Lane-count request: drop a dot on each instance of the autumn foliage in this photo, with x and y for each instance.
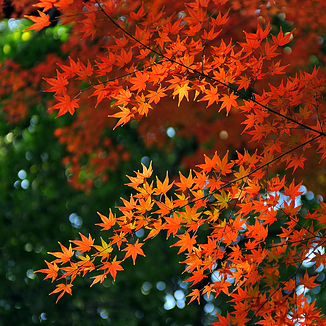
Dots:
(226, 74)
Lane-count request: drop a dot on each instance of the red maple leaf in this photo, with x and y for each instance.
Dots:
(293, 191)
(282, 39)
(295, 162)
(308, 281)
(58, 84)
(65, 105)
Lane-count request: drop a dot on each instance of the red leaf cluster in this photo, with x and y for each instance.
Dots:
(207, 68)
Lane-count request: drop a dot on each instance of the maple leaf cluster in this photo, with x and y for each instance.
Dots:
(237, 256)
(152, 60)
(140, 66)
(92, 34)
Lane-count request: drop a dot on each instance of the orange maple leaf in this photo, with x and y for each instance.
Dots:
(71, 271)
(113, 267)
(123, 98)
(70, 71)
(295, 162)
(107, 222)
(139, 82)
(211, 96)
(195, 294)
(133, 250)
(64, 256)
(89, 25)
(99, 278)
(209, 163)
(219, 20)
(163, 187)
(45, 4)
(182, 91)
(65, 288)
(185, 183)
(223, 321)
(85, 264)
(186, 242)
(244, 83)
(137, 15)
(228, 102)
(63, 4)
(196, 277)
(143, 105)
(190, 214)
(223, 166)
(125, 115)
(40, 22)
(83, 245)
(52, 271)
(108, 90)
(155, 227)
(155, 96)
(84, 71)
(172, 224)
(147, 172)
(290, 209)
(118, 238)
(124, 57)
